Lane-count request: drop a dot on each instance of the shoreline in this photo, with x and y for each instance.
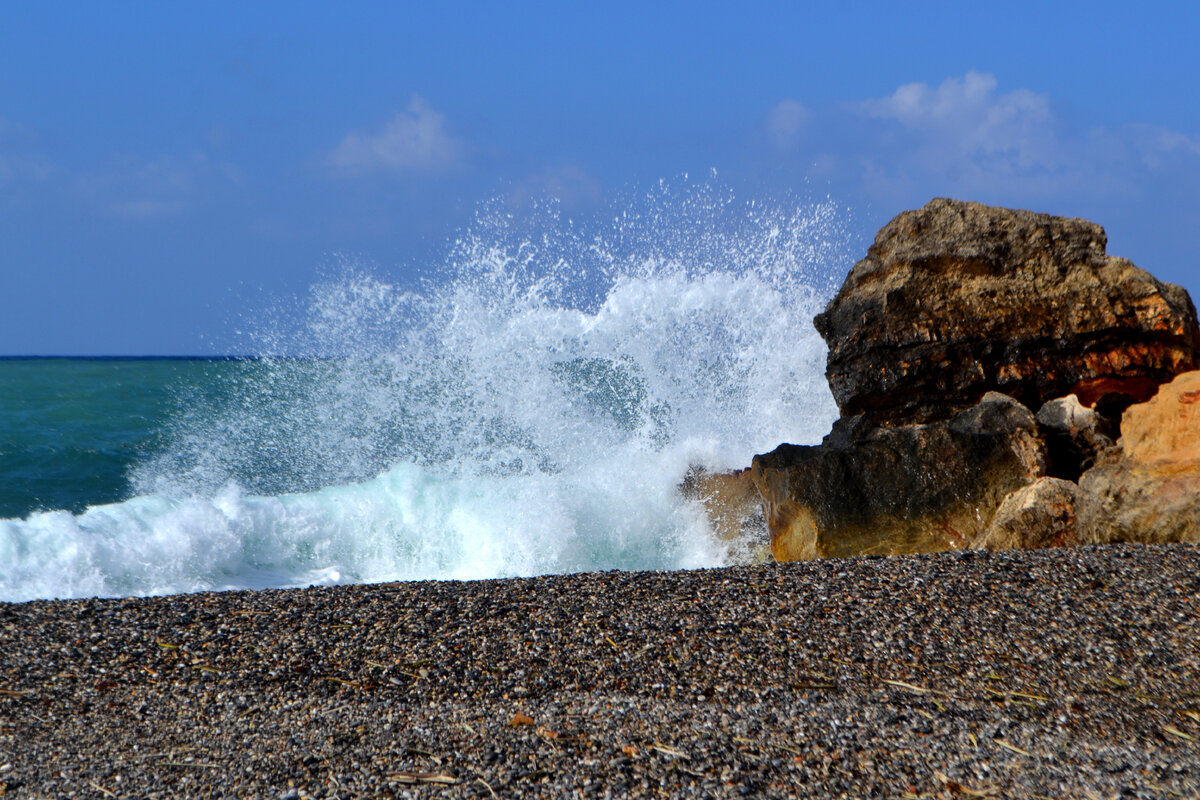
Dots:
(1053, 673)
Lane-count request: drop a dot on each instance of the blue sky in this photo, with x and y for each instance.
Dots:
(168, 168)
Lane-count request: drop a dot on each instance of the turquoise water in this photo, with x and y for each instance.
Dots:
(72, 429)
(533, 411)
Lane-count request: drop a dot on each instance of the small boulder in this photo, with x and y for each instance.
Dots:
(1148, 488)
(903, 489)
(957, 299)
(1039, 515)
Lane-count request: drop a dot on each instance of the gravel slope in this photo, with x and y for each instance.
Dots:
(1062, 674)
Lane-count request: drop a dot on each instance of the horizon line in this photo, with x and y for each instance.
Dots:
(145, 357)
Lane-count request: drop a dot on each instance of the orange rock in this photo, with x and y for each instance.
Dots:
(1167, 428)
(1148, 488)
(520, 719)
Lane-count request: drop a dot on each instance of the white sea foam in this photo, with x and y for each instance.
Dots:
(532, 411)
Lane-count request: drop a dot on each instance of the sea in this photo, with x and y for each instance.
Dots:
(529, 406)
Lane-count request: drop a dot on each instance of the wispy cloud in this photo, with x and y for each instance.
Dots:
(19, 158)
(569, 185)
(965, 122)
(129, 187)
(968, 136)
(1154, 147)
(414, 139)
(785, 122)
(123, 186)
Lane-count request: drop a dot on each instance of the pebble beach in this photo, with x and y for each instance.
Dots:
(1066, 673)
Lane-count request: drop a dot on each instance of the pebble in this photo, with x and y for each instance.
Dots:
(1056, 673)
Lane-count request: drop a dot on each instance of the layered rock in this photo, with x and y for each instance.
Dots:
(957, 299)
(1148, 488)
(892, 490)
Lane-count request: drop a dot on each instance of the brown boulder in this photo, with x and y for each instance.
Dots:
(957, 299)
(1148, 488)
(1041, 514)
(904, 489)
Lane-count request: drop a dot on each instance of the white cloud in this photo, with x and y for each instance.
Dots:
(415, 139)
(966, 118)
(785, 121)
(967, 138)
(1155, 147)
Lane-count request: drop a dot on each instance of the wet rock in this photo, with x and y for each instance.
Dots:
(1041, 514)
(1148, 488)
(733, 506)
(900, 489)
(956, 299)
(1075, 436)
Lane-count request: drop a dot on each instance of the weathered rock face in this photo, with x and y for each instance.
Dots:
(955, 304)
(1148, 488)
(957, 299)
(1041, 514)
(891, 490)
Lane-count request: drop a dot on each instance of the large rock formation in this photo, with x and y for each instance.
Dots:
(892, 490)
(957, 299)
(954, 304)
(1148, 488)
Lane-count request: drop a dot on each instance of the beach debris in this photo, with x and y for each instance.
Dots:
(670, 751)
(1012, 747)
(405, 776)
(1171, 729)
(957, 787)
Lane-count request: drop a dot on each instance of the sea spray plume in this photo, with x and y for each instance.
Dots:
(530, 408)
(539, 332)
